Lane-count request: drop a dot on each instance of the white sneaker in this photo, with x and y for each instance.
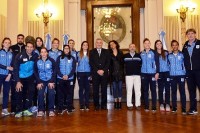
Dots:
(162, 108)
(167, 108)
(5, 112)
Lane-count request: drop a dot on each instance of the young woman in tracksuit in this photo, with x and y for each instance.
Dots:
(83, 75)
(6, 58)
(74, 53)
(149, 73)
(65, 67)
(54, 52)
(177, 76)
(45, 77)
(164, 79)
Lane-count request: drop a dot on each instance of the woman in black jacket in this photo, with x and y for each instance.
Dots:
(116, 71)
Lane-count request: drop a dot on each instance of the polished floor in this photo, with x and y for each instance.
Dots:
(104, 121)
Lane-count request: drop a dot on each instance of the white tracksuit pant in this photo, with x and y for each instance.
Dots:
(134, 80)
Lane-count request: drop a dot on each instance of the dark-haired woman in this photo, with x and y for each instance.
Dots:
(177, 76)
(116, 72)
(83, 75)
(39, 44)
(65, 67)
(164, 79)
(149, 73)
(6, 58)
(45, 77)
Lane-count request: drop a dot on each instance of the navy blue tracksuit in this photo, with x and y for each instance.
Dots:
(45, 74)
(177, 76)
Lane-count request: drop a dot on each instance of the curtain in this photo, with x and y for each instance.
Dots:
(171, 27)
(2, 27)
(55, 27)
(194, 22)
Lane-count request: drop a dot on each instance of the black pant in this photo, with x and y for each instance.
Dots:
(84, 88)
(13, 96)
(178, 80)
(65, 88)
(164, 84)
(24, 98)
(149, 79)
(193, 81)
(97, 81)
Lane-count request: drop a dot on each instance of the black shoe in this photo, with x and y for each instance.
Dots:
(153, 109)
(192, 112)
(174, 110)
(104, 107)
(115, 105)
(96, 108)
(130, 108)
(119, 105)
(87, 108)
(82, 108)
(184, 111)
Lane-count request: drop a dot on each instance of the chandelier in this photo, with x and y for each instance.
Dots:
(184, 7)
(107, 11)
(44, 12)
(107, 28)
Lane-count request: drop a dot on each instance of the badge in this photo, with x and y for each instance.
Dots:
(69, 61)
(25, 59)
(149, 55)
(48, 65)
(153, 79)
(71, 83)
(168, 79)
(197, 46)
(182, 79)
(179, 57)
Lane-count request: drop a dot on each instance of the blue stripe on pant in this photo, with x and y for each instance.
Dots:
(178, 80)
(117, 89)
(50, 97)
(193, 81)
(84, 88)
(164, 83)
(6, 89)
(65, 88)
(24, 98)
(149, 79)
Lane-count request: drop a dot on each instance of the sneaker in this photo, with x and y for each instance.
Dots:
(73, 109)
(87, 108)
(184, 112)
(33, 109)
(82, 108)
(69, 111)
(174, 110)
(40, 114)
(18, 115)
(153, 109)
(146, 109)
(5, 112)
(167, 108)
(12, 113)
(51, 114)
(27, 113)
(162, 108)
(192, 112)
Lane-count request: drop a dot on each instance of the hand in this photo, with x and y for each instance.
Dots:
(100, 72)
(65, 77)
(51, 85)
(10, 68)
(19, 86)
(156, 76)
(8, 78)
(40, 86)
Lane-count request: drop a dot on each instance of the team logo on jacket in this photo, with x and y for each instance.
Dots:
(48, 65)
(197, 46)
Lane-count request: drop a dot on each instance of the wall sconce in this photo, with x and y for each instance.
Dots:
(185, 6)
(44, 12)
